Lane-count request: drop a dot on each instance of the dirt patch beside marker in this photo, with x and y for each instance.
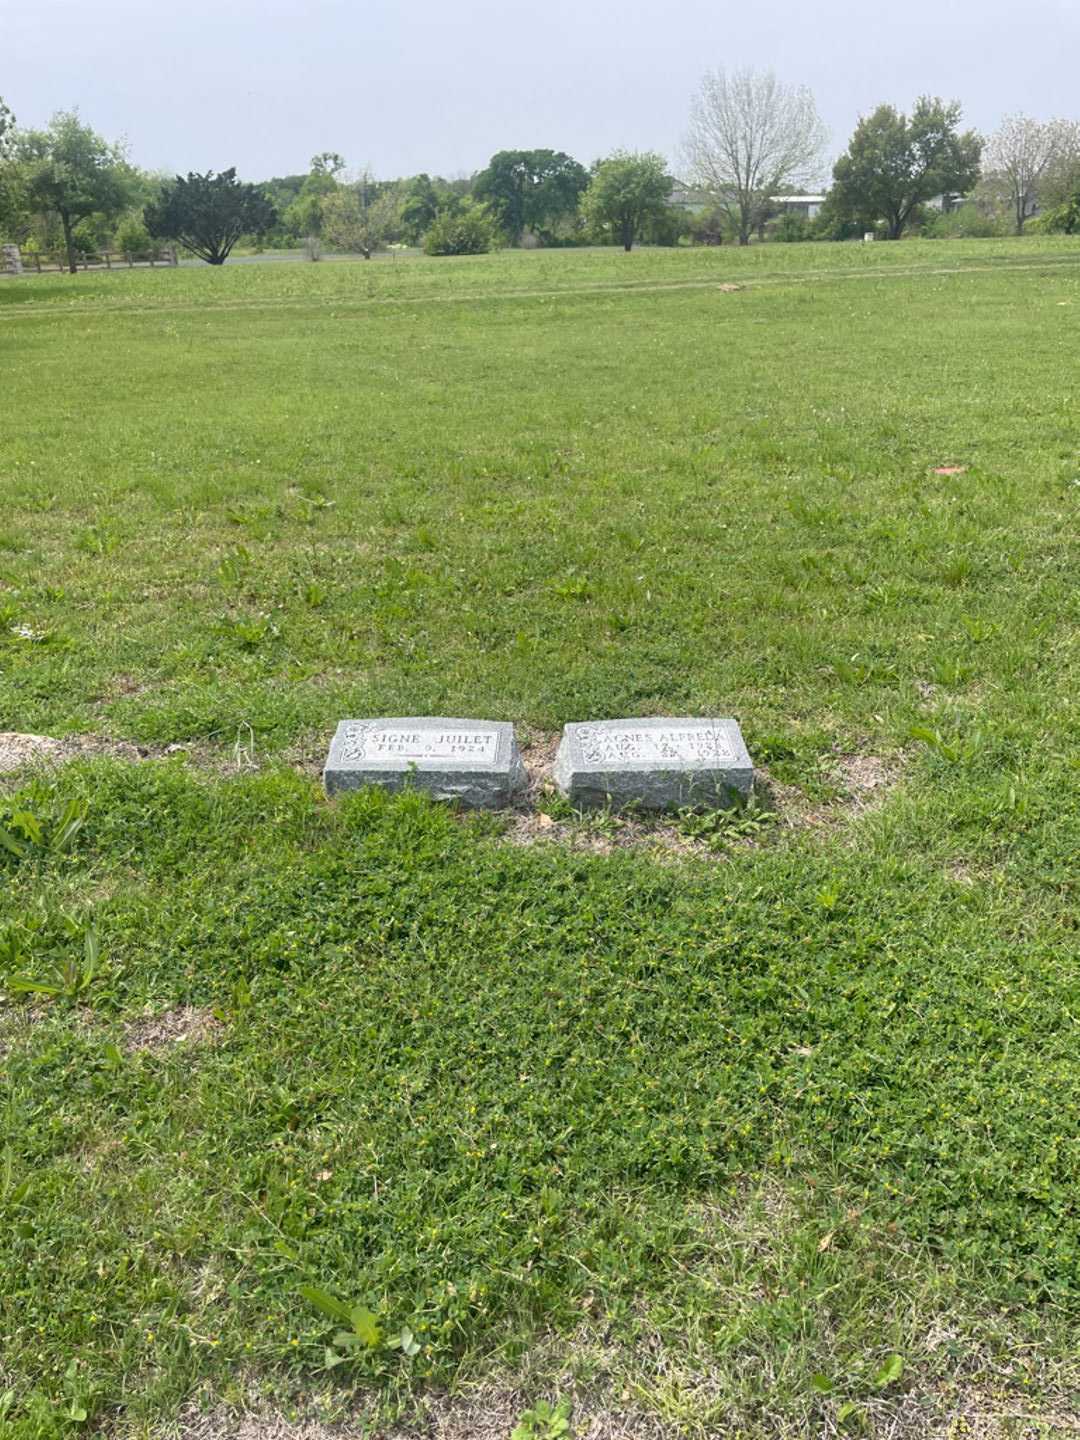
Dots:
(489, 1412)
(224, 1424)
(538, 750)
(867, 778)
(15, 1024)
(89, 747)
(307, 753)
(27, 752)
(184, 1023)
(20, 752)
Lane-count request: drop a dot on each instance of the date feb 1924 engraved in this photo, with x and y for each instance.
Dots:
(370, 741)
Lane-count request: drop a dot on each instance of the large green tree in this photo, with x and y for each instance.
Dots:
(305, 215)
(71, 172)
(530, 189)
(468, 228)
(208, 213)
(1065, 216)
(422, 204)
(426, 198)
(894, 163)
(628, 191)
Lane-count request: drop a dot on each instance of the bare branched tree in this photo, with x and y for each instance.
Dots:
(751, 137)
(1019, 156)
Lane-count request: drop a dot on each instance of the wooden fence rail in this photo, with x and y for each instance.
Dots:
(41, 262)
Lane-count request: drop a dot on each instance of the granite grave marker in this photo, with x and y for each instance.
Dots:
(657, 764)
(475, 762)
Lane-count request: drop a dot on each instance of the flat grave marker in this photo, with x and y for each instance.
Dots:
(656, 764)
(475, 762)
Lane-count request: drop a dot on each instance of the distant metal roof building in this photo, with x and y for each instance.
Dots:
(808, 206)
(685, 197)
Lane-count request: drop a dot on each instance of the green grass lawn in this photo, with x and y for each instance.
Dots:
(775, 1138)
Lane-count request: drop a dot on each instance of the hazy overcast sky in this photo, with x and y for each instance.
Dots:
(438, 85)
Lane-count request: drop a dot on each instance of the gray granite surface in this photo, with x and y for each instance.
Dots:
(475, 762)
(655, 764)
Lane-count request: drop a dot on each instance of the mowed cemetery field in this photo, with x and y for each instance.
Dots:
(759, 1124)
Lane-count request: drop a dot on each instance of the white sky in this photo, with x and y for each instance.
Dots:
(439, 85)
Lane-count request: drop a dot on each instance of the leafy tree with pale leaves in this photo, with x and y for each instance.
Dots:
(8, 188)
(894, 163)
(69, 171)
(1061, 180)
(1020, 155)
(362, 218)
(628, 191)
(751, 138)
(208, 213)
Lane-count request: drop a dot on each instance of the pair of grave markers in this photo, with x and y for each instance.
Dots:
(656, 764)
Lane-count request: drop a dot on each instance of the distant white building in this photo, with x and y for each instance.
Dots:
(806, 207)
(695, 202)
